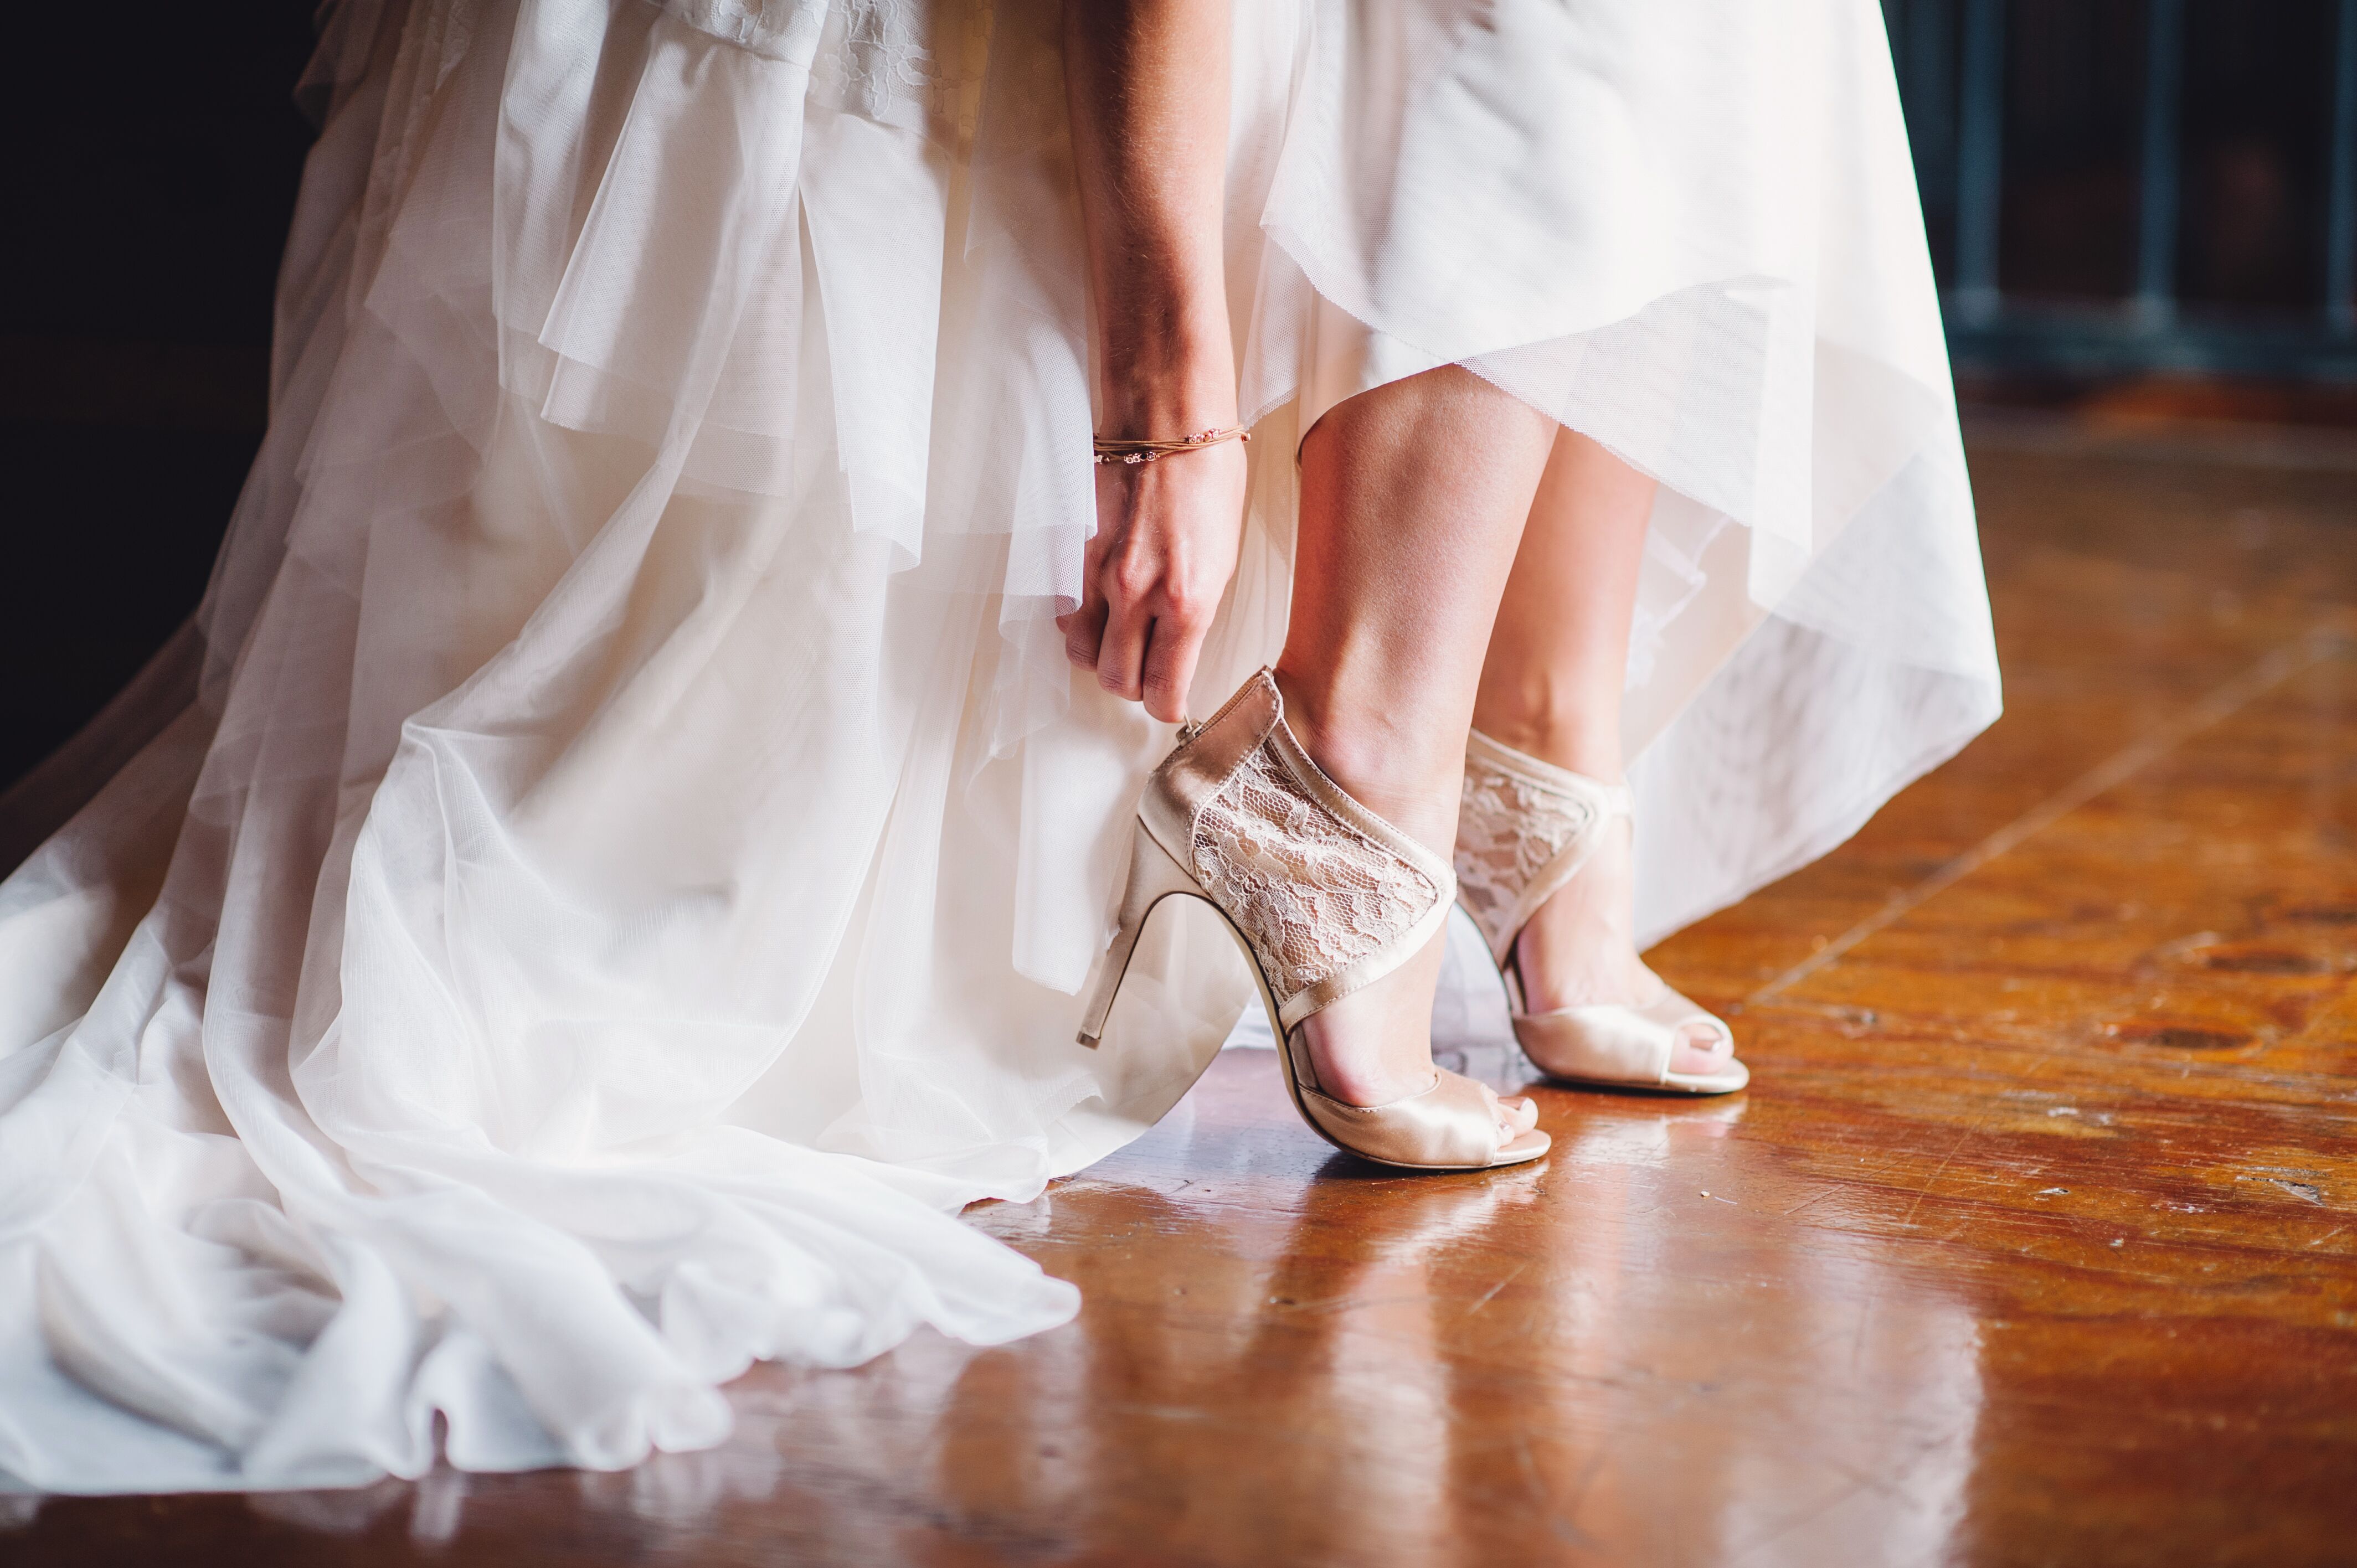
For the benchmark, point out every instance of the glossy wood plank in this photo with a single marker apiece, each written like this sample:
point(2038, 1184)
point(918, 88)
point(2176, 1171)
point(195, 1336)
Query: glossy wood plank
point(2035, 1240)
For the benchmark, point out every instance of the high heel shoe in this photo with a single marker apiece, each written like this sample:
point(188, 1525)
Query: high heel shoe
point(1324, 897)
point(1524, 829)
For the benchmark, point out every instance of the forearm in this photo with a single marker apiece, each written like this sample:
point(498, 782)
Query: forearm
point(1148, 82)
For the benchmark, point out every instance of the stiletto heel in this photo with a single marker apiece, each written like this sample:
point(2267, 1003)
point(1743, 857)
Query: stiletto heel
point(1527, 828)
point(1153, 876)
point(1324, 897)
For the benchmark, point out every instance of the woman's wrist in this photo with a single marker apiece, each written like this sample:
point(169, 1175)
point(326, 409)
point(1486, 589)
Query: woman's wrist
point(1172, 419)
point(1165, 369)
point(1156, 408)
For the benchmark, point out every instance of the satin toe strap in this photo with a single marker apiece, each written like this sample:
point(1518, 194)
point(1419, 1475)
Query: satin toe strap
point(1450, 1126)
point(1616, 1043)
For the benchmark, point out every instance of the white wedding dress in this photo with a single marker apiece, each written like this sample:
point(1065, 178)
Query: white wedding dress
point(606, 875)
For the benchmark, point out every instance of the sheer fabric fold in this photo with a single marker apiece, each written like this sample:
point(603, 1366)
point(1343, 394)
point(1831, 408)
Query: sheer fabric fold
point(606, 874)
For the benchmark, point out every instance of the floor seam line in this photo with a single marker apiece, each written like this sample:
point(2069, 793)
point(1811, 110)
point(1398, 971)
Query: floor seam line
point(2312, 646)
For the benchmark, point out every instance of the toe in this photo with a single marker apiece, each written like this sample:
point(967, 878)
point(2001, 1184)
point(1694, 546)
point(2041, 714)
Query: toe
point(1702, 1051)
point(1515, 1116)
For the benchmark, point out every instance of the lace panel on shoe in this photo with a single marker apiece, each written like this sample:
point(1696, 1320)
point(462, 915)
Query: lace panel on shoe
point(1508, 830)
point(1312, 894)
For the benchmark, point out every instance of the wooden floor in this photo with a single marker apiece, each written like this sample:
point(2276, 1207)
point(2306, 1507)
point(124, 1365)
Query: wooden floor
point(2034, 1242)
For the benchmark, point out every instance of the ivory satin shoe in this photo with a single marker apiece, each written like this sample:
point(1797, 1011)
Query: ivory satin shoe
point(1525, 829)
point(1324, 897)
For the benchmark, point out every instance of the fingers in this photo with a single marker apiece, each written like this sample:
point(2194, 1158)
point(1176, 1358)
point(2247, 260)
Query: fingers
point(1141, 648)
point(1172, 647)
point(1083, 628)
point(1121, 601)
point(1121, 658)
point(1153, 636)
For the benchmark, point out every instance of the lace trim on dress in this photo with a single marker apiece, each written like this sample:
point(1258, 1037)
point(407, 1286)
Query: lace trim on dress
point(774, 29)
point(872, 58)
point(1312, 894)
point(880, 66)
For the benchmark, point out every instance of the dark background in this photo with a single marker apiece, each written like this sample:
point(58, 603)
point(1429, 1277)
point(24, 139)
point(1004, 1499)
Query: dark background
point(2256, 113)
point(150, 189)
point(151, 174)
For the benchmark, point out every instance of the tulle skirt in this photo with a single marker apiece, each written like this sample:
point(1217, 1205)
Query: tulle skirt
point(606, 875)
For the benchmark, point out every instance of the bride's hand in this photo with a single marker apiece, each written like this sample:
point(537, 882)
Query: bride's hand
point(1160, 561)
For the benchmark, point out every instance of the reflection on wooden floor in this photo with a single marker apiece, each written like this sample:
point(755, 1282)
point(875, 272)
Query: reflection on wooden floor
point(2032, 1242)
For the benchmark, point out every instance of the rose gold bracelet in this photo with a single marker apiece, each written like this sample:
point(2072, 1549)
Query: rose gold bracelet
point(1112, 451)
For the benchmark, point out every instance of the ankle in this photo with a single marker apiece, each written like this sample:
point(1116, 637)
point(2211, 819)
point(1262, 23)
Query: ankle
point(1553, 726)
point(1401, 770)
point(1374, 1045)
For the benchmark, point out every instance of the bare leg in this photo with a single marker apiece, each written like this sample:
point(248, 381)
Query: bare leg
point(1413, 497)
point(1551, 686)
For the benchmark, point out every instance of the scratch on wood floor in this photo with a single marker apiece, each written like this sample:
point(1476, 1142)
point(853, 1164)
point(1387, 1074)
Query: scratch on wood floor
point(1907, 1221)
point(1504, 1281)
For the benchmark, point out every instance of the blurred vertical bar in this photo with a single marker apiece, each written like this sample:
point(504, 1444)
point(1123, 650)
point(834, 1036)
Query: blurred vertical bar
point(1980, 154)
point(1927, 77)
point(2340, 197)
point(2164, 76)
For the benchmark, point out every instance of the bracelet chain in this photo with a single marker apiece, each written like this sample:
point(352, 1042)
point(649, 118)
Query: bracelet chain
point(1111, 450)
